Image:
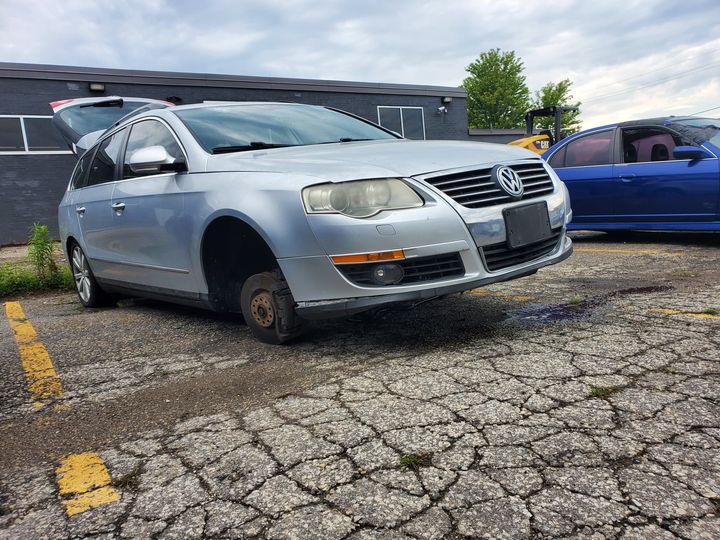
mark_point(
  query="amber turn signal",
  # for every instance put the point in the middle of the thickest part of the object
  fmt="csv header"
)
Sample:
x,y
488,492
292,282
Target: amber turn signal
x,y
395,255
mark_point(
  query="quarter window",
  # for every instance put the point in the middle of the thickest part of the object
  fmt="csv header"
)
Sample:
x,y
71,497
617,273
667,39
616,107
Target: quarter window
x,y
150,133
30,135
103,165
594,149
407,121
558,158
81,171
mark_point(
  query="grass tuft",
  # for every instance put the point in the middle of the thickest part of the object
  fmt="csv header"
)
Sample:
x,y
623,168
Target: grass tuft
x,y
39,272
604,392
683,273
129,482
415,461
711,311
576,301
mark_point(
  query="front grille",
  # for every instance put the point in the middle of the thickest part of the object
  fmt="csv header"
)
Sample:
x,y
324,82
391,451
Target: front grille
x,y
499,256
476,189
417,270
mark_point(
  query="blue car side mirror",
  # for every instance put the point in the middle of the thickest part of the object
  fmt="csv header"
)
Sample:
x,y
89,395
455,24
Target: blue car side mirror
x,y
690,152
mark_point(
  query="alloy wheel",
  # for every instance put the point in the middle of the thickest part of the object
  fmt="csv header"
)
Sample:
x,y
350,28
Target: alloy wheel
x,y
81,273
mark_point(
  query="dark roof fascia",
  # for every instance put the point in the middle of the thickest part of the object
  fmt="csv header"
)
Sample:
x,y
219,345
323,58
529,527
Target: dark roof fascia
x,y
129,76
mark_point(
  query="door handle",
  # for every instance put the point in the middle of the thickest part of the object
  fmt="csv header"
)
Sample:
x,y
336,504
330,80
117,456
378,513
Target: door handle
x,y
80,210
118,206
627,177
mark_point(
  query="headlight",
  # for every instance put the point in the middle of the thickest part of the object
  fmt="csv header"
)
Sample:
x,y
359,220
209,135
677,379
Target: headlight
x,y
360,199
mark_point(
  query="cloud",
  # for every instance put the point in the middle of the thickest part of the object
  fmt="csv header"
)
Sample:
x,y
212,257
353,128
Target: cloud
x,y
627,58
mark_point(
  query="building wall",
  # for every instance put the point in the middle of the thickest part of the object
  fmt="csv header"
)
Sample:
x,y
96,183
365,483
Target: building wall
x,y
32,185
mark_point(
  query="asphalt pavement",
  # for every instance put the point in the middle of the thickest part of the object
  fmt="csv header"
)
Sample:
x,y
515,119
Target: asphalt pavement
x,y
581,402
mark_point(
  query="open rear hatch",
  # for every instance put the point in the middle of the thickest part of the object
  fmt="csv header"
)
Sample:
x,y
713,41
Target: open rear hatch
x,y
82,121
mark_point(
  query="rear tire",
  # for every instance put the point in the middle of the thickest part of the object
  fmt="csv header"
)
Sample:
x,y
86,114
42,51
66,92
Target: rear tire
x,y
267,307
89,292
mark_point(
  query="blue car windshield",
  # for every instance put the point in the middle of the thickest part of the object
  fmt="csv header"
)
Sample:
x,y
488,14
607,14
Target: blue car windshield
x,y
699,130
234,128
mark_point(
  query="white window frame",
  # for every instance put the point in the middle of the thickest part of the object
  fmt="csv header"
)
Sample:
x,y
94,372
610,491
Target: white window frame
x,y
402,124
25,142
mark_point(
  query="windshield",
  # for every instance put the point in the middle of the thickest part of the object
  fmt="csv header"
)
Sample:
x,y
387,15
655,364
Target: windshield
x,y
84,120
700,130
249,127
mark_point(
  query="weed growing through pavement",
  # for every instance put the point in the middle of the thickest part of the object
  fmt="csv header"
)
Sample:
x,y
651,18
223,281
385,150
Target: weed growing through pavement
x,y
711,311
683,273
603,392
576,301
415,461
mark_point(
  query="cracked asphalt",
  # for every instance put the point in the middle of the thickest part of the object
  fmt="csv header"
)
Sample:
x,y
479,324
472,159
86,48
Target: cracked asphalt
x,y
582,402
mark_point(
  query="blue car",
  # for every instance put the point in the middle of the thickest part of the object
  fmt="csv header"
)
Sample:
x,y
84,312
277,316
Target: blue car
x,y
660,173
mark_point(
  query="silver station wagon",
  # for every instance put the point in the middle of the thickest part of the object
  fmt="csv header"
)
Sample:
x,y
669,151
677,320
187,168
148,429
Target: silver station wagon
x,y
289,213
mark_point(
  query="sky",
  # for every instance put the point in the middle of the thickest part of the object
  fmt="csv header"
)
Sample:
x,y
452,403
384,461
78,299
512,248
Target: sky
x,y
627,59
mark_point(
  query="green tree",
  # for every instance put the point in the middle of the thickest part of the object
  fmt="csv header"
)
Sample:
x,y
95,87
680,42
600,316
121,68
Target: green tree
x,y
497,94
553,94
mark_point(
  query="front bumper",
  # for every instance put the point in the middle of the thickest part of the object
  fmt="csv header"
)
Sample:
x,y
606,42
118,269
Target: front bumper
x,y
349,306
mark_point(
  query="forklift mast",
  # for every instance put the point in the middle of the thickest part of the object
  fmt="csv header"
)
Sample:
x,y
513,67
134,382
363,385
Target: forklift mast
x,y
556,111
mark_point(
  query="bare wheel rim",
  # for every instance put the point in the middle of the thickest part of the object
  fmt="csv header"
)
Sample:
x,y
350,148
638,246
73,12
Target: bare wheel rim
x,y
262,310
81,273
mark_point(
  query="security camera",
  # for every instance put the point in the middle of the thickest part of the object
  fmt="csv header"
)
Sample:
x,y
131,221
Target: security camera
x,y
442,109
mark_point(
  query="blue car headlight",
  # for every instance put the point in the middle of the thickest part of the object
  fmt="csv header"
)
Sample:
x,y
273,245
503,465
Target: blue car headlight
x,y
360,199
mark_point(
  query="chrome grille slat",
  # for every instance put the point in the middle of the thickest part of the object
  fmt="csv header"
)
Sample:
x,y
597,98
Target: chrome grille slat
x,y
524,177
472,189
471,185
468,179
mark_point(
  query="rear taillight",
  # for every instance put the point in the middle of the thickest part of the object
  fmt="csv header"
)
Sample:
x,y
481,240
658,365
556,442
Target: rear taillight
x,y
56,104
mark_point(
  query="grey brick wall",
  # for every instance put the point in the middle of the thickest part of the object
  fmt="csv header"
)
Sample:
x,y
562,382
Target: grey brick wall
x,y
32,185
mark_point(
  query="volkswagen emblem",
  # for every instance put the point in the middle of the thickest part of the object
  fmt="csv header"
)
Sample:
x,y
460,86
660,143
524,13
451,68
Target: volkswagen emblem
x,y
509,181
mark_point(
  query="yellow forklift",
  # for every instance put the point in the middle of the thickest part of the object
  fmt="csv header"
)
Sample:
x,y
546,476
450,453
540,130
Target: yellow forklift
x,y
546,138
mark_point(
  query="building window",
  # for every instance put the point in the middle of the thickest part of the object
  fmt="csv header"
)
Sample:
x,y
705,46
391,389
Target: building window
x,y
30,135
407,121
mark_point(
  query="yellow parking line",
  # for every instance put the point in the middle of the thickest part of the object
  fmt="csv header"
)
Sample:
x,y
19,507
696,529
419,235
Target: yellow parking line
x,y
84,483
43,382
513,297
628,251
694,314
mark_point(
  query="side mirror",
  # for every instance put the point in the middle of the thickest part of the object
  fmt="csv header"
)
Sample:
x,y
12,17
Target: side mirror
x,y
153,160
690,152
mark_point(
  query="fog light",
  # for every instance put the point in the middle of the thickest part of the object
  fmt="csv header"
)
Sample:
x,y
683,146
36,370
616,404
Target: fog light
x,y
387,274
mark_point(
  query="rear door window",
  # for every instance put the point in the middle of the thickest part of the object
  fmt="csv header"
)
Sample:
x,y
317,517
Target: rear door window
x,y
593,149
150,133
104,162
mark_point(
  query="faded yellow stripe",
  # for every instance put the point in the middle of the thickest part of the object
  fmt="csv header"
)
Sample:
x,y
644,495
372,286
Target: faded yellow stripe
x,y
628,251
513,297
84,483
42,379
695,314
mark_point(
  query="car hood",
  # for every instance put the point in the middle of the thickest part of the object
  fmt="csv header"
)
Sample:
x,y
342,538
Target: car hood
x,y
369,159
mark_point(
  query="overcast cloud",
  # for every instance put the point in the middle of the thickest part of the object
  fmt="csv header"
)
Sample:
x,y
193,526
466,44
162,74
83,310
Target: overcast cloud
x,y
627,58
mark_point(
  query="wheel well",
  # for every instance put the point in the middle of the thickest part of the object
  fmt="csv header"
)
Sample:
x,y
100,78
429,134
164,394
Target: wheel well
x,y
68,244
232,251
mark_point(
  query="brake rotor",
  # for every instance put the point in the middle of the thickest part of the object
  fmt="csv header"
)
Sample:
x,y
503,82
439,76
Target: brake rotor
x,y
262,310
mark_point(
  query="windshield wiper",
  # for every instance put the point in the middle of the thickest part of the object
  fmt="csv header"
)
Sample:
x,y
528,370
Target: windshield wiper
x,y
350,139
254,145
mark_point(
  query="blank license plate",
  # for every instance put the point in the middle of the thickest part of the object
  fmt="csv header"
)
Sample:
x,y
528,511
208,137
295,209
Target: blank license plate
x,y
527,224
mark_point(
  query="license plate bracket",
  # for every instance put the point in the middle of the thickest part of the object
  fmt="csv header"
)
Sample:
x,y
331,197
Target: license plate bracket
x,y
527,224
